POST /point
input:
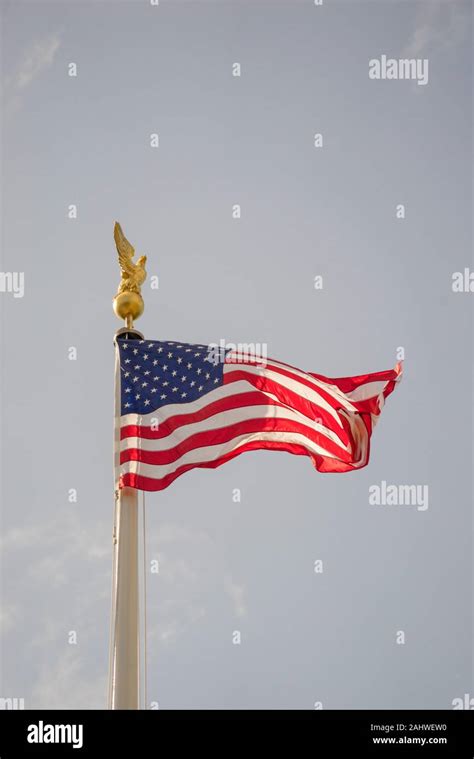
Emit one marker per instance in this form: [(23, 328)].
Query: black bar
[(298, 733)]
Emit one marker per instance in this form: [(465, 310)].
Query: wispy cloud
[(36, 59), (66, 682), (67, 536), (236, 594), (438, 24), (8, 618), (63, 563)]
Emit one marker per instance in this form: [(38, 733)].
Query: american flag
[(182, 406)]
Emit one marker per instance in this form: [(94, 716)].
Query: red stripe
[(345, 384), (288, 399), (291, 399), (239, 400), (325, 394), (349, 384), (321, 463), (227, 433)]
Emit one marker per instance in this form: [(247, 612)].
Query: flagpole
[(124, 665), (124, 685)]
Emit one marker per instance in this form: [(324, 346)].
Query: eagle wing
[(125, 251)]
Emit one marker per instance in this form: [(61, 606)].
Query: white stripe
[(329, 387), (365, 391), (224, 419), (176, 409), (333, 390), (225, 391), (296, 387), (368, 390), (211, 453)]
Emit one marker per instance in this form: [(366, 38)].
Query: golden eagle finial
[(128, 302)]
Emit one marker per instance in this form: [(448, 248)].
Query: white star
[(165, 366), (124, 345), (155, 379), (175, 390), (160, 350), (183, 378), (207, 375), (150, 345), (137, 397), (154, 390), (188, 366), (198, 371), (180, 360), (144, 384), (145, 356), (183, 395), (196, 355), (162, 397), (127, 360), (136, 367), (128, 389), (135, 351), (135, 379), (188, 350), (200, 388), (147, 373), (126, 374), (170, 355), (147, 402), (192, 383), (127, 405), (216, 380), (174, 373), (155, 362), (165, 383)]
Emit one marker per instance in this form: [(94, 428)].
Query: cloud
[(61, 539), (187, 561), (175, 619), (236, 594), (61, 569), (66, 682), (59, 572), (64, 557), (36, 59), (8, 618), (438, 24)]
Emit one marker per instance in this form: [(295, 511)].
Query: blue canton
[(155, 374)]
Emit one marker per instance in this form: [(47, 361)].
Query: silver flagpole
[(124, 666)]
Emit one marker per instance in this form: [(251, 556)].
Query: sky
[(388, 621)]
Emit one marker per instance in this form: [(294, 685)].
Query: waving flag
[(180, 406)]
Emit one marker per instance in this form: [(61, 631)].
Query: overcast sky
[(331, 637)]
